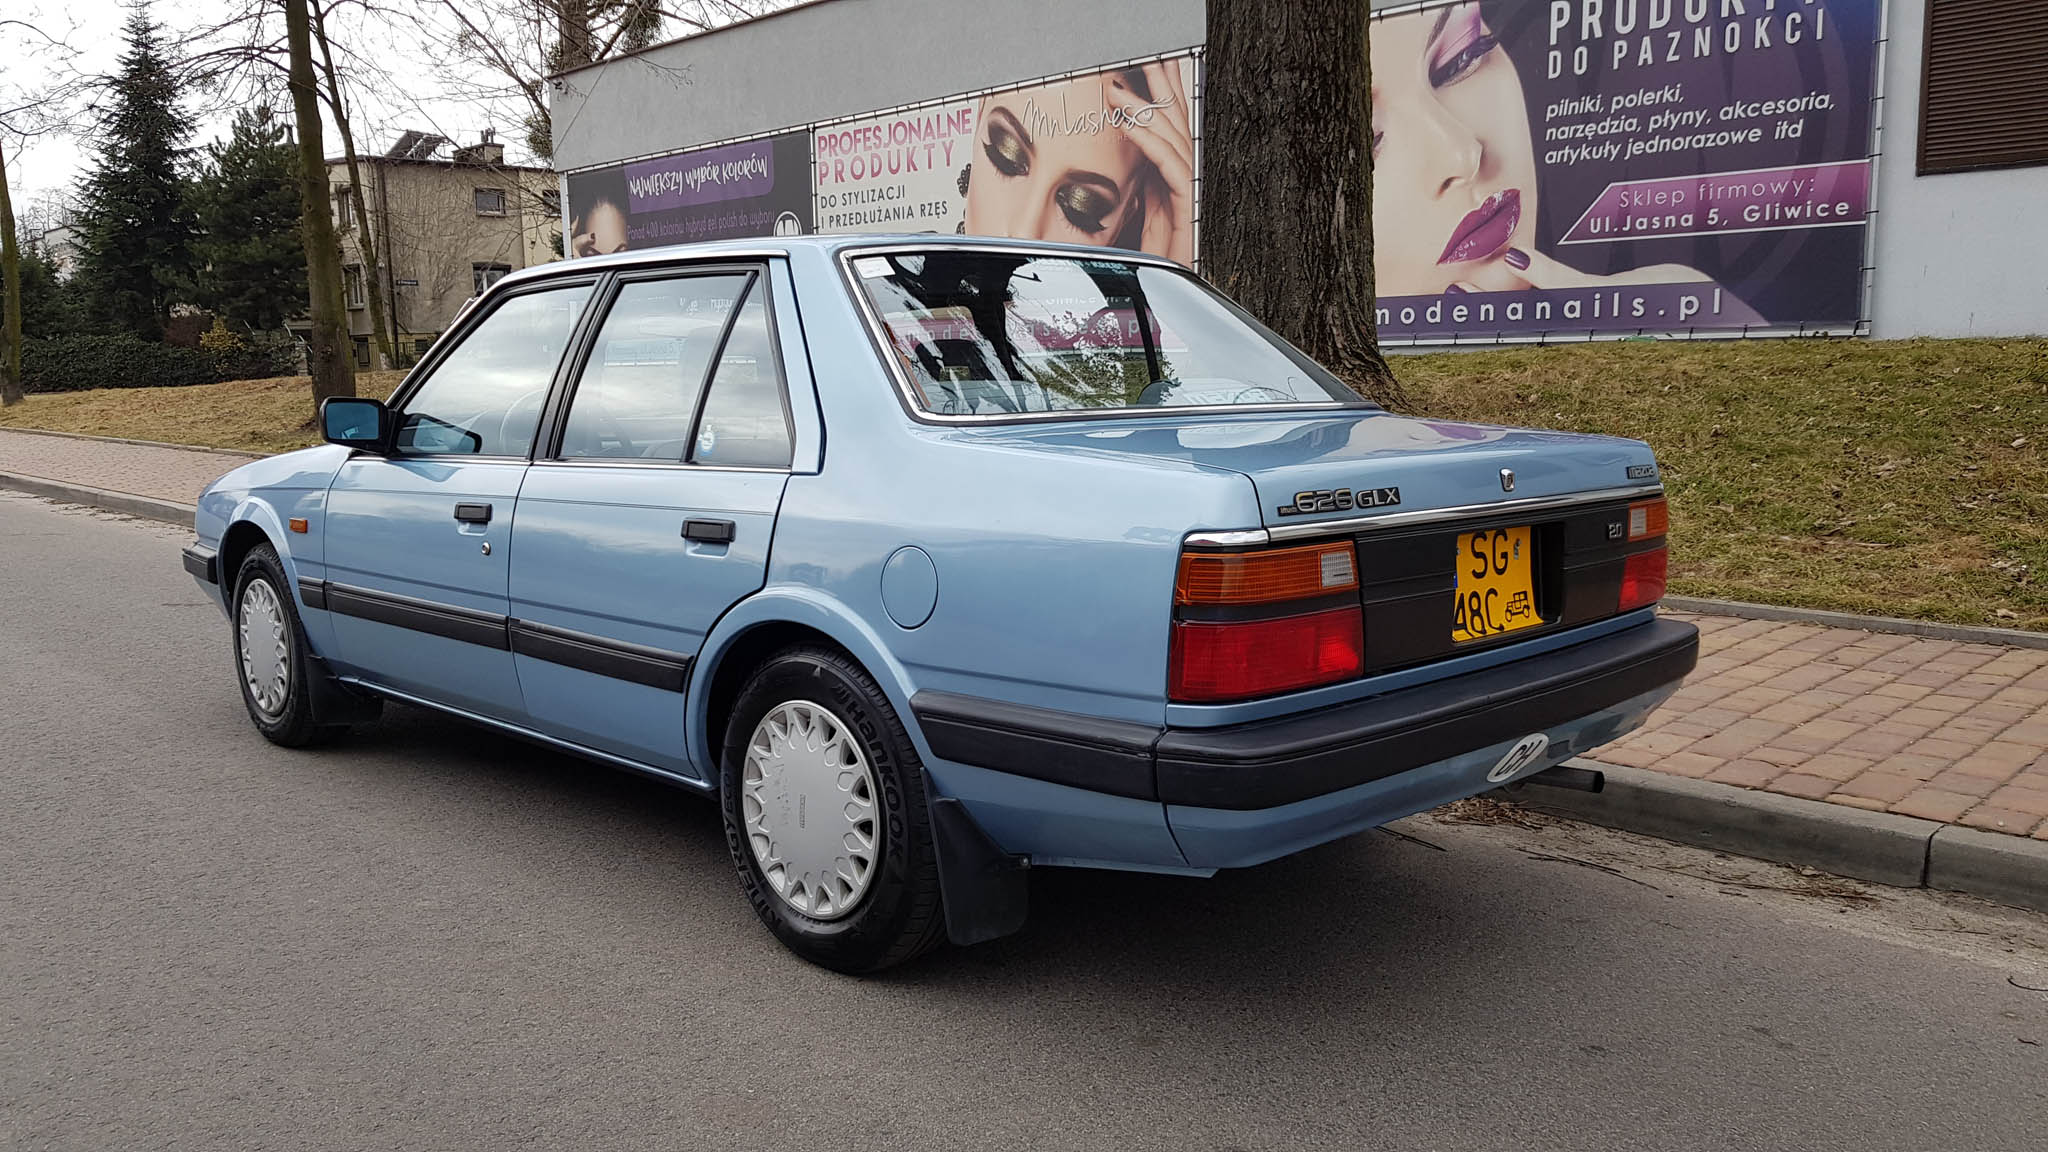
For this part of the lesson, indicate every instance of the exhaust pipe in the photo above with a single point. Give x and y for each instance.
(1576, 779)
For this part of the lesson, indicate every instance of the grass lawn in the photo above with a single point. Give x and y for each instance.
(273, 415)
(1901, 478)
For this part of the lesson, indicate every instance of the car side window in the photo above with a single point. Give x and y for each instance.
(485, 398)
(746, 424)
(638, 391)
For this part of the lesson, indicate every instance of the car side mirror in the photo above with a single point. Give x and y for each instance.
(356, 423)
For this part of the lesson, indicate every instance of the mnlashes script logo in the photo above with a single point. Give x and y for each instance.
(1089, 122)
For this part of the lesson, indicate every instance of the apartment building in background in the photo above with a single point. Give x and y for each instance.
(445, 229)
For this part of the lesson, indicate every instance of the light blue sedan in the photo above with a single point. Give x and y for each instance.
(935, 561)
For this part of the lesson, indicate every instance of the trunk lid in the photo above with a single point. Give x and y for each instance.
(1386, 463)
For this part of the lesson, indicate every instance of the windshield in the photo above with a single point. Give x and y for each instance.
(995, 333)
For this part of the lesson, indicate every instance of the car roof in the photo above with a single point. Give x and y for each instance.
(757, 246)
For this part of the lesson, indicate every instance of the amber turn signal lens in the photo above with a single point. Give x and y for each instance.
(1647, 519)
(1265, 577)
(298, 524)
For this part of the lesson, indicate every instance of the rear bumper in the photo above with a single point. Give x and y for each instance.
(1247, 792)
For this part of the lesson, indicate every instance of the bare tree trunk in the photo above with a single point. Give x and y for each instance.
(333, 374)
(572, 28)
(10, 277)
(1287, 177)
(366, 241)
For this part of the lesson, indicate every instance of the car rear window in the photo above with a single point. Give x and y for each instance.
(995, 333)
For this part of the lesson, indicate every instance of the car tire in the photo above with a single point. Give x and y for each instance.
(829, 757)
(268, 637)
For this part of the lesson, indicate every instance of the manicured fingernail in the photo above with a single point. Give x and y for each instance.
(1455, 290)
(1518, 258)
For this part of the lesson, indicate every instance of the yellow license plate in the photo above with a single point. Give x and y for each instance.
(1496, 592)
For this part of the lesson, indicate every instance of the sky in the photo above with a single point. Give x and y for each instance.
(423, 92)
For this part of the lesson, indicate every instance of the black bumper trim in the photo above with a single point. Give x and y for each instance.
(617, 659)
(1112, 756)
(202, 562)
(1268, 763)
(313, 593)
(467, 625)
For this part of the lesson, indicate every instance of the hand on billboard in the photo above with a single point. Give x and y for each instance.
(1165, 134)
(1520, 269)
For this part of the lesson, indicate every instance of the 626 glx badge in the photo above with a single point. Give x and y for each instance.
(1340, 500)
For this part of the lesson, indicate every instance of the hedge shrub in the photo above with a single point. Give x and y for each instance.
(78, 363)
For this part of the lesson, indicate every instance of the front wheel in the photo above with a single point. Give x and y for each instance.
(825, 815)
(271, 653)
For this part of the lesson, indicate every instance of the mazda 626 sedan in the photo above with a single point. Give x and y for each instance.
(934, 561)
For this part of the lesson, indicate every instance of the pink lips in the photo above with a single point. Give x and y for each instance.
(1485, 230)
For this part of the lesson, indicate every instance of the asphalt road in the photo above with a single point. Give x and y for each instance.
(433, 937)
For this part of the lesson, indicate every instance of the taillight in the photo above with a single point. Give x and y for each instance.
(1236, 659)
(1648, 518)
(1643, 577)
(1265, 577)
(1258, 623)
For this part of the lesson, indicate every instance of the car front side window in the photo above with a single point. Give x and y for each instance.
(485, 397)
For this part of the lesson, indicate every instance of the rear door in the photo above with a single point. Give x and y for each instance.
(653, 509)
(418, 543)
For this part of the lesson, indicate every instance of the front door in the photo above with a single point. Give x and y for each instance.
(418, 543)
(654, 513)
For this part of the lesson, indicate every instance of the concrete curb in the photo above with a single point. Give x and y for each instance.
(141, 443)
(1882, 847)
(1876, 846)
(126, 503)
(2008, 869)
(1962, 633)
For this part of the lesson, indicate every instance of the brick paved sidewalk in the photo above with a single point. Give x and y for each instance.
(175, 474)
(1931, 728)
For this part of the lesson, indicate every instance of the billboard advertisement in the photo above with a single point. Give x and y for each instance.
(756, 188)
(1551, 167)
(1104, 158)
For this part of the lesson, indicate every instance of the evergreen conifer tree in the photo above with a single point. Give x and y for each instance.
(250, 261)
(136, 231)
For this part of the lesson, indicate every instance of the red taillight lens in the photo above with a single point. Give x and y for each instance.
(1642, 578)
(1237, 659)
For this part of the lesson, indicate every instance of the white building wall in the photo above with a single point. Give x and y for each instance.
(836, 58)
(1960, 254)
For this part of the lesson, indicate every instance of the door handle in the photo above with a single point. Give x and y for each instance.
(473, 513)
(708, 531)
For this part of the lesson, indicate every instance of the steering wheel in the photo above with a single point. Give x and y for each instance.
(506, 425)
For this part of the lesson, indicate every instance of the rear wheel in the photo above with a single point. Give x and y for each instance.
(825, 815)
(271, 653)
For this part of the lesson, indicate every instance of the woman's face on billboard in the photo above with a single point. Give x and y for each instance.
(1454, 173)
(1037, 174)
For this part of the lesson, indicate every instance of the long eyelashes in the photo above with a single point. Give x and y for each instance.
(1452, 68)
(1006, 151)
(1086, 207)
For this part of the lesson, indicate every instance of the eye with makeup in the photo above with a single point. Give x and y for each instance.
(1459, 47)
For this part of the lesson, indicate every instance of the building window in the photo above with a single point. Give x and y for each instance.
(551, 201)
(362, 351)
(482, 276)
(1978, 106)
(344, 209)
(352, 285)
(420, 346)
(490, 201)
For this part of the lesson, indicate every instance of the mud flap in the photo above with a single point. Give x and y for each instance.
(337, 703)
(984, 889)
